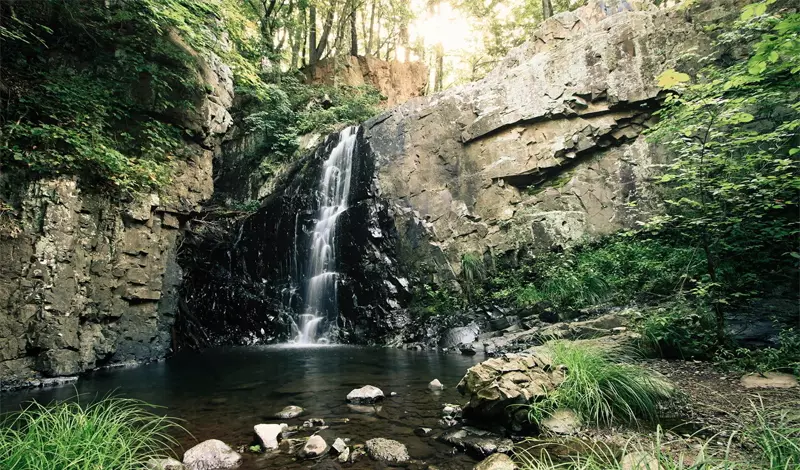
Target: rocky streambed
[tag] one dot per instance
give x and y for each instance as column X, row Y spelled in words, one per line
column 349, row 407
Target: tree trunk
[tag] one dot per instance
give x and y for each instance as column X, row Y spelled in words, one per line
column 353, row 31
column 439, row 68
column 371, row 28
column 312, row 35
column 547, row 9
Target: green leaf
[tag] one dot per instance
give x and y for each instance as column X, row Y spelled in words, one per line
column 671, row 78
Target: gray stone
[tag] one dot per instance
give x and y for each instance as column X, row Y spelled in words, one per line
column 365, row 395
column 59, row 362
column 289, row 412
column 211, row 455
column 497, row 462
column 314, row 447
column 269, row 435
column 387, row 450
column 476, row 442
column 435, row 385
column 423, row 432
column 339, row 446
column 563, row 422
column 344, row 455
column 460, row 335
column 163, row 464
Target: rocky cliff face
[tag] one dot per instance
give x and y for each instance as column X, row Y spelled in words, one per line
column 87, row 281
column 397, row 81
column 545, row 152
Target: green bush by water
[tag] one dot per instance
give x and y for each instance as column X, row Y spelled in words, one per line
column 114, row 433
column 601, row 387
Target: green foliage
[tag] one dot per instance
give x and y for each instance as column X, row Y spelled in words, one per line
column 432, row 301
column 680, row 330
column 91, row 90
column 114, row 433
column 619, row 270
column 785, row 357
column 732, row 190
column 600, row 387
column 289, row 108
column 775, row 432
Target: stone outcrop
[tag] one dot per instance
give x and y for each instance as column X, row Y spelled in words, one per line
column 211, row 455
column 397, row 81
column 546, row 151
column 87, row 281
column 496, row 385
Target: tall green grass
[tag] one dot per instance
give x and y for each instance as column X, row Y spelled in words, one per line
column 601, row 388
column 111, row 434
column 769, row 437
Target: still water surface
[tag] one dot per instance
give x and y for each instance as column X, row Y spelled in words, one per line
column 222, row 393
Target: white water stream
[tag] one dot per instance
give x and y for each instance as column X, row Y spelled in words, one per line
column 321, row 275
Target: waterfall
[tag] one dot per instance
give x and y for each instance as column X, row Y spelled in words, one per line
column 321, row 275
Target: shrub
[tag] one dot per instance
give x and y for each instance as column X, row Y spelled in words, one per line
column 114, row 433
column 785, row 357
column 600, row 387
column 776, row 434
column 680, row 330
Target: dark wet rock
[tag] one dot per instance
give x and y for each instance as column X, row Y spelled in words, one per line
column 562, row 422
column 477, row 442
column 497, row 462
column 326, row 465
column 313, row 422
column 269, row 435
column 435, row 385
column 314, row 447
column 365, row 395
column 423, row 432
column 289, row 412
column 468, row 349
column 387, row 450
column 163, row 464
column 211, row 455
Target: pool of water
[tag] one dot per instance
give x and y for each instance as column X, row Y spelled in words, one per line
column 222, row 393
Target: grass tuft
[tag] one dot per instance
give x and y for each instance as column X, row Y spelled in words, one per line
column 601, row 388
column 114, row 433
column 775, row 432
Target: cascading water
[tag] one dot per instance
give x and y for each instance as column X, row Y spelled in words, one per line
column 321, row 275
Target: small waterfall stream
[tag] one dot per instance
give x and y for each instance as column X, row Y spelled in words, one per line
column 321, row 274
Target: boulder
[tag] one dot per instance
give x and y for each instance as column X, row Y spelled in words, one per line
column 365, row 395
column 452, row 337
column 289, row 412
column 314, row 447
column 497, row 462
column 211, row 455
column 163, row 464
column 269, row 435
column 640, row 461
column 511, row 379
column 468, row 349
column 435, row 385
column 387, row 450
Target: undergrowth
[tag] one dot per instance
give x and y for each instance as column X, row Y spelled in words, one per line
column 769, row 439
column 114, row 433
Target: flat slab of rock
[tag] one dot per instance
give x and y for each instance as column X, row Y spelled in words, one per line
column 289, row 412
column 564, row 422
column 387, row 450
column 477, row 442
column 212, row 454
column 365, row 395
column 163, row 464
column 497, row 462
column 769, row 380
column 315, row 446
column 269, row 435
